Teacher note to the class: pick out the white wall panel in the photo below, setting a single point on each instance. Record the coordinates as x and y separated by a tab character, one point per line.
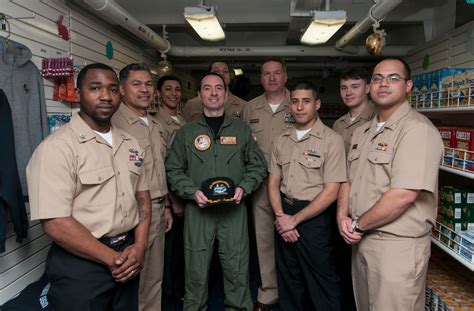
23	263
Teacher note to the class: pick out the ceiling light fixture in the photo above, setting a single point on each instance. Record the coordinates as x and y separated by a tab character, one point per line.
204	21
323	26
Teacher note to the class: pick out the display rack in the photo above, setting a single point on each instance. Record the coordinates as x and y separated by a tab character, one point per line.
458	161
456	244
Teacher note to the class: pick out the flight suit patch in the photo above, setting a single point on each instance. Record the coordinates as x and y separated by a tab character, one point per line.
228	140
202	142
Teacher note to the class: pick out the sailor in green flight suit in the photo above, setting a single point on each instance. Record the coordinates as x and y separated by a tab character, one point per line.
215	145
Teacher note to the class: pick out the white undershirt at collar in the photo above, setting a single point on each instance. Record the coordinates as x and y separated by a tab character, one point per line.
107	137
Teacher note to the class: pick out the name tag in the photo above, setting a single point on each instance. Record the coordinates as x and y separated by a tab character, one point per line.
228	140
254	121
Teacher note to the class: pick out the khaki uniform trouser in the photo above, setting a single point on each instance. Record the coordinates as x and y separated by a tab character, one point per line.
265	236
151	276
389	272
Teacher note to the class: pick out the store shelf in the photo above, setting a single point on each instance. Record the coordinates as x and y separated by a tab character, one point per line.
456	244
457	171
453	254
447	109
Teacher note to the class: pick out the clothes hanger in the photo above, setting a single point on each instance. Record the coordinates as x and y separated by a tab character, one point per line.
5	25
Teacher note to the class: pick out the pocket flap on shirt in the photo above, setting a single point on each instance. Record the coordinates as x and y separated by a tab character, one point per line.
379	157
311	162
96	176
353	155
134	168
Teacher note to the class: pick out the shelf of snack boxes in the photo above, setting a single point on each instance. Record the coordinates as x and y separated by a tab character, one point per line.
458	161
459	245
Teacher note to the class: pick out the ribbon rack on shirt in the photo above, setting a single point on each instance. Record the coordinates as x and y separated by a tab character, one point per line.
61	70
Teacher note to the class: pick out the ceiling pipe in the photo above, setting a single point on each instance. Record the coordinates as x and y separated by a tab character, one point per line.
115	14
265	51
379	12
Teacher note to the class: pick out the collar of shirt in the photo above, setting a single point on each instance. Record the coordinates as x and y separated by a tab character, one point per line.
169	119
84	132
317	131
392	122
227	121
284	104
366	114
131	117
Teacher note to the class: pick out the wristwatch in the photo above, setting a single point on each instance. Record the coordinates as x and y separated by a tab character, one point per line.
355	226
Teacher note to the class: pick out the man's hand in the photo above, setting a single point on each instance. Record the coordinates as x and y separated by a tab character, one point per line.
350	236
130	263
239	195
284	222
168	220
177	205
290	236
200	198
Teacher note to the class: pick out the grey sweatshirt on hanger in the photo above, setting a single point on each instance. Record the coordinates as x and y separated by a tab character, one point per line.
23	85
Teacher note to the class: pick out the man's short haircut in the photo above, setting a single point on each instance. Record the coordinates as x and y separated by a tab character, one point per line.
306	86
163	79
211	74
83	72
356	74
219	61
125	72
274	59
406	67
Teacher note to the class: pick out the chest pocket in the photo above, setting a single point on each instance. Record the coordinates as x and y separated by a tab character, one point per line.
95	190
379	157
97	176
380	168
311	162
133	168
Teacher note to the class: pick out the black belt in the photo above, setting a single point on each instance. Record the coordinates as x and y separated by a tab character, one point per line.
294	202
117	240
158	200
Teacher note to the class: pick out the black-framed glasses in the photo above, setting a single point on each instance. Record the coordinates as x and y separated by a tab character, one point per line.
392	78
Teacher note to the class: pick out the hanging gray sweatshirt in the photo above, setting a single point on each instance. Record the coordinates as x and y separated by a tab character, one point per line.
23	85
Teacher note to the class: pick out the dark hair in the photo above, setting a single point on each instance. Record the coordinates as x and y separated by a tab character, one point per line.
211	74
125	72
83	72
219	61
163	79
406	67
274	59
305	85
355	74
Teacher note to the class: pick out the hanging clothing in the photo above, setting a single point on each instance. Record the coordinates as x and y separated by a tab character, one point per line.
11	197
23	85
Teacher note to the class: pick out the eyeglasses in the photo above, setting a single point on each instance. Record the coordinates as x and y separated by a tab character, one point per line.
393	78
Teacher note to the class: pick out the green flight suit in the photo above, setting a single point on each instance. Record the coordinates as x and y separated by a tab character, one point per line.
232	153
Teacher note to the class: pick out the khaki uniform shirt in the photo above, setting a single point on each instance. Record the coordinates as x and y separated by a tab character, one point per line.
152	141
75	172
170	125
305	165
344	127
233	107
404	154
266	125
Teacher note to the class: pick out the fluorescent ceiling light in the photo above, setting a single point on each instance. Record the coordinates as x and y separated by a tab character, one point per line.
204	22
323	26
238	71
